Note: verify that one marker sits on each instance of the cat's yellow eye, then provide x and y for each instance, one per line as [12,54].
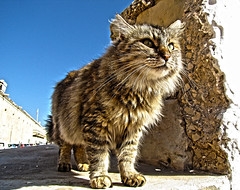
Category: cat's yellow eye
[171,46]
[148,43]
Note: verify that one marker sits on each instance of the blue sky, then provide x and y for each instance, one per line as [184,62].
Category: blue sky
[41,40]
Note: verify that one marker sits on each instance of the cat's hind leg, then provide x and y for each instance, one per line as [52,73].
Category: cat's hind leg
[81,157]
[126,163]
[64,162]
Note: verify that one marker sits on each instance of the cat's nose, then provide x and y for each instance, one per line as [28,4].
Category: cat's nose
[164,53]
[166,56]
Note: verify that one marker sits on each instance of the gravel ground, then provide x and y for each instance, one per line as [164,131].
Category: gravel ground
[36,168]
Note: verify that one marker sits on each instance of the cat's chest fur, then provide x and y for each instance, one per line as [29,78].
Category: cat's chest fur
[130,111]
[134,108]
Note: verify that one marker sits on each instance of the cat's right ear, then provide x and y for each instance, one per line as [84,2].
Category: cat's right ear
[120,28]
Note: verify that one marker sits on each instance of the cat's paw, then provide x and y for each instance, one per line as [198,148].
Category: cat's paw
[133,180]
[64,167]
[83,167]
[101,182]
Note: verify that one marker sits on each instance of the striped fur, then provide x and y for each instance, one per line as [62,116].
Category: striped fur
[109,103]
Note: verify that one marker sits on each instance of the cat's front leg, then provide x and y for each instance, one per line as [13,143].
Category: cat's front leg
[98,155]
[126,161]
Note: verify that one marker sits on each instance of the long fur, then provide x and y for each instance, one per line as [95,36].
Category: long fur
[109,103]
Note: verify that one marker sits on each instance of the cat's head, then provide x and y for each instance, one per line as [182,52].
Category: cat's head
[152,51]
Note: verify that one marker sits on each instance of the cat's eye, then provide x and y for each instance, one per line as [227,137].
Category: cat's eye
[148,43]
[171,46]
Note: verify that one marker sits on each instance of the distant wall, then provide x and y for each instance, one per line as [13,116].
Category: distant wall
[17,126]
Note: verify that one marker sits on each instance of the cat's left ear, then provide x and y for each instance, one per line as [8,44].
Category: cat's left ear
[120,28]
[177,27]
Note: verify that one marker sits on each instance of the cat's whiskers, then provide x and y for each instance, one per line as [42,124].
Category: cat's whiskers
[187,93]
[122,60]
[119,72]
[192,83]
[129,74]
[145,68]
[110,78]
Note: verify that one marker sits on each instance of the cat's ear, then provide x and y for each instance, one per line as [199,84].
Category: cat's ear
[177,28]
[120,28]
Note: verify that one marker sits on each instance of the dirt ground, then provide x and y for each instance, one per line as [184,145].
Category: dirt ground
[36,168]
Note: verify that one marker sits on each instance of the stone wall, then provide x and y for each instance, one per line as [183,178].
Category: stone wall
[200,128]
[204,101]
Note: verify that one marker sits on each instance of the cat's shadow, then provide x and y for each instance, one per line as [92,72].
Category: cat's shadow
[141,167]
[83,180]
[145,169]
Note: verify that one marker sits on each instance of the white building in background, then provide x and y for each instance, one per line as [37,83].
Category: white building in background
[16,125]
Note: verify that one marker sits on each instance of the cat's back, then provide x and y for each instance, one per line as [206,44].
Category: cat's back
[67,81]
[61,89]
[75,82]
[74,91]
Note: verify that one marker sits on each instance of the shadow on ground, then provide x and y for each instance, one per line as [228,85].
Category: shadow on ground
[36,168]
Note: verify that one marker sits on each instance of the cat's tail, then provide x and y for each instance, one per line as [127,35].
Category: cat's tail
[49,128]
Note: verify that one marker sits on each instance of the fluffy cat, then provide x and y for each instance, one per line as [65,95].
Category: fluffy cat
[109,103]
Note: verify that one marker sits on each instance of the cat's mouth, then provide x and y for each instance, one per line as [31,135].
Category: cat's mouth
[159,67]
[156,63]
